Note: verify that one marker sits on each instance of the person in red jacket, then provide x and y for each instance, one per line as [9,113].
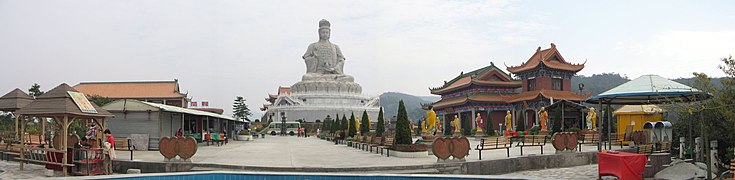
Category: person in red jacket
[110,147]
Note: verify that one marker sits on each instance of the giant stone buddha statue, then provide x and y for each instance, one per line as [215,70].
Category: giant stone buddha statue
[325,67]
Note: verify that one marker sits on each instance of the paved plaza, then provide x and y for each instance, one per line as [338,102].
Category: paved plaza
[275,151]
[292,151]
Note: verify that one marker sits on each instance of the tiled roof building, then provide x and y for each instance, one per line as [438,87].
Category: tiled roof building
[489,90]
[163,92]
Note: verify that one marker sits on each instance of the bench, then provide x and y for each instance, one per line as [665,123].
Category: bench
[533,140]
[32,139]
[616,140]
[386,145]
[645,149]
[338,138]
[494,143]
[664,148]
[51,158]
[10,149]
[124,144]
[365,142]
[588,138]
[375,143]
[356,140]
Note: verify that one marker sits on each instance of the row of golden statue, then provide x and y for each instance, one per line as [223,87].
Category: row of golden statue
[432,124]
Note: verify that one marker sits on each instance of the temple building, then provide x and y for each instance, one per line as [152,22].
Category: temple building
[282,90]
[543,78]
[161,92]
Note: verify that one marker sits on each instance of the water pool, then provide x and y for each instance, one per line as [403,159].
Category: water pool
[290,176]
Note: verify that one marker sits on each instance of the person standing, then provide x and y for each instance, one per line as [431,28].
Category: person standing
[110,147]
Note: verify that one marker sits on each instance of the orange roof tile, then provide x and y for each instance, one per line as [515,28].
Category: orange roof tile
[486,76]
[490,98]
[560,95]
[449,102]
[545,57]
[463,82]
[284,90]
[150,89]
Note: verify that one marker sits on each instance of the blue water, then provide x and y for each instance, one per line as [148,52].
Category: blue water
[225,176]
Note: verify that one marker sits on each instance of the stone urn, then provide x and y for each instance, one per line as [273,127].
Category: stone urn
[244,136]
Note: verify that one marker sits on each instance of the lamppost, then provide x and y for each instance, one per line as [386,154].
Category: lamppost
[283,123]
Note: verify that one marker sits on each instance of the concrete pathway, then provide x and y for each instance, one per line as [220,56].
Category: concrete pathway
[276,151]
[313,152]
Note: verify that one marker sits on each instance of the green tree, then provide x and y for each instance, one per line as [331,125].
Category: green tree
[364,123]
[327,124]
[343,123]
[489,124]
[380,129]
[240,110]
[35,90]
[353,130]
[521,126]
[403,131]
[336,124]
[711,119]
[99,100]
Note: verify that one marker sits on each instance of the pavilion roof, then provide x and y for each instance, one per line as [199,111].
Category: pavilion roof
[14,100]
[473,97]
[486,76]
[134,89]
[548,57]
[567,105]
[58,102]
[649,89]
[549,94]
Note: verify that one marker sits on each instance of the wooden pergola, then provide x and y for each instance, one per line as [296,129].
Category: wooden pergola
[62,106]
[12,102]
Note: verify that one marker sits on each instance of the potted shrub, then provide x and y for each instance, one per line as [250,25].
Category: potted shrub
[534,130]
[244,135]
[403,146]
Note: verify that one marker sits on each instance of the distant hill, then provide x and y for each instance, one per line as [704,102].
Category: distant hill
[597,83]
[690,81]
[389,101]
[430,98]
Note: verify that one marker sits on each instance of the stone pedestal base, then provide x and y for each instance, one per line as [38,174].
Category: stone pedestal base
[439,134]
[420,154]
[450,160]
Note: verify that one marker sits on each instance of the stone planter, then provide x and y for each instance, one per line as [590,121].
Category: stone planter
[420,154]
[244,137]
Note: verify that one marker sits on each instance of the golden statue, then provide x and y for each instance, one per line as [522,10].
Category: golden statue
[430,118]
[357,125]
[369,123]
[508,122]
[544,116]
[438,125]
[591,119]
[423,127]
[456,124]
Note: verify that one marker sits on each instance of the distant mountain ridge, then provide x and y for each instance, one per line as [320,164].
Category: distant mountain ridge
[389,101]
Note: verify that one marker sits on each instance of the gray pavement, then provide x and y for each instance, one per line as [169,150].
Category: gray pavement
[277,151]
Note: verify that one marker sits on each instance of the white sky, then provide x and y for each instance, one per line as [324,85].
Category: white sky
[222,49]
